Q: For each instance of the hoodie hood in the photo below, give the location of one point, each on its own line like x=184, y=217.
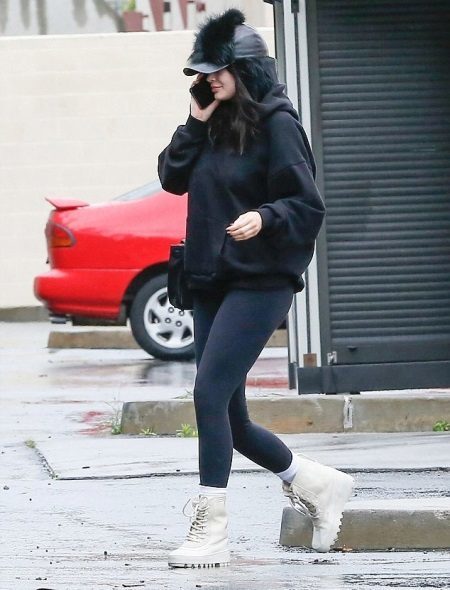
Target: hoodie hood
x=276, y=100
x=273, y=96
x=260, y=77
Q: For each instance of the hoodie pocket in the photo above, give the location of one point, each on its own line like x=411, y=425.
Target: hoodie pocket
x=203, y=245
x=258, y=255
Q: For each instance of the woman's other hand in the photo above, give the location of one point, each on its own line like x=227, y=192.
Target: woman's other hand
x=196, y=111
x=246, y=226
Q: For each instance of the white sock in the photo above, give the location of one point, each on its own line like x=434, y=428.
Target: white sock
x=211, y=491
x=289, y=474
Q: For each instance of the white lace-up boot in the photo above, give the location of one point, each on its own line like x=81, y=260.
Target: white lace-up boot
x=206, y=544
x=320, y=492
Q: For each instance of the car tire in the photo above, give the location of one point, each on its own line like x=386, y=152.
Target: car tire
x=162, y=330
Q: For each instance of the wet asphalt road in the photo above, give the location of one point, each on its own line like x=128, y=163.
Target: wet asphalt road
x=99, y=534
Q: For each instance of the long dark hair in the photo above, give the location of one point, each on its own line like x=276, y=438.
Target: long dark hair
x=235, y=122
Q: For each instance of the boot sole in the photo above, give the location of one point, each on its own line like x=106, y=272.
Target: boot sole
x=221, y=559
x=343, y=487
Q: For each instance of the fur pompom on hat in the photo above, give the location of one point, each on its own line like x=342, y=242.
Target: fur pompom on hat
x=222, y=40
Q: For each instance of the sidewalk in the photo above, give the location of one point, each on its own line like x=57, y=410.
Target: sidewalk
x=148, y=456
x=109, y=519
x=418, y=522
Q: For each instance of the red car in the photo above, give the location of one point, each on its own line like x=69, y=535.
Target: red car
x=109, y=262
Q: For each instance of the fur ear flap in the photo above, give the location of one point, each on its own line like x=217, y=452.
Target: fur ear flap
x=214, y=41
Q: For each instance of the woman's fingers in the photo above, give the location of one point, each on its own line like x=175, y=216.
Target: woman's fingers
x=246, y=226
x=246, y=220
x=245, y=236
x=203, y=114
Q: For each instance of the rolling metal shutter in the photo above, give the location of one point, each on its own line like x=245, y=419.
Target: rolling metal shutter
x=384, y=90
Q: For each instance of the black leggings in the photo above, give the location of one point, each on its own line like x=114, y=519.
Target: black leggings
x=231, y=328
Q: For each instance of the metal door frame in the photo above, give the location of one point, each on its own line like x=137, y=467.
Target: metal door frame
x=304, y=339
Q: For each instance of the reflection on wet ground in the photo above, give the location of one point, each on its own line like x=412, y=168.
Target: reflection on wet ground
x=125, y=370
x=97, y=367
x=394, y=581
x=163, y=373
x=129, y=366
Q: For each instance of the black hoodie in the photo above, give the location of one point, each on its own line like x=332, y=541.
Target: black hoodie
x=275, y=177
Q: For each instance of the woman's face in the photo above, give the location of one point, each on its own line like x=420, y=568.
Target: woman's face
x=222, y=84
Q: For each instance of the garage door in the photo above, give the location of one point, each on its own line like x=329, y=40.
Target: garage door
x=382, y=113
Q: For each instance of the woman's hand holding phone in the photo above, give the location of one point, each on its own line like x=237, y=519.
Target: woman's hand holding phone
x=202, y=114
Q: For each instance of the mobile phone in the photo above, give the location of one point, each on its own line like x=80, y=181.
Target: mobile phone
x=202, y=93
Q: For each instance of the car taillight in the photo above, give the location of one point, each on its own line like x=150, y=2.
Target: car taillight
x=58, y=236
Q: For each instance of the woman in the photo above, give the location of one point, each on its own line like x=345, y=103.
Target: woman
x=253, y=214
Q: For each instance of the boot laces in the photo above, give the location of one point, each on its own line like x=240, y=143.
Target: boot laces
x=198, y=517
x=301, y=504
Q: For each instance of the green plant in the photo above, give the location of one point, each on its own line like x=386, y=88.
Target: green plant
x=129, y=6
x=187, y=431
x=148, y=432
x=115, y=422
x=116, y=426
x=441, y=426
x=30, y=443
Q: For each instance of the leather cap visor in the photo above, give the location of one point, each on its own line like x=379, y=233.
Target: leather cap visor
x=202, y=68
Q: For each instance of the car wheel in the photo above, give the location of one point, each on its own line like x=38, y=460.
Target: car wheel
x=161, y=329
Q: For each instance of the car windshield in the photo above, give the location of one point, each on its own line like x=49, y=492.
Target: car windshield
x=141, y=192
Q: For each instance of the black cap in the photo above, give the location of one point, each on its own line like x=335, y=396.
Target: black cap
x=222, y=41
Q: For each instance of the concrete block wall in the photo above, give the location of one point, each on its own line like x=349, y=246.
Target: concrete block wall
x=81, y=116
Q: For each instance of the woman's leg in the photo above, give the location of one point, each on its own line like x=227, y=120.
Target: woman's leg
x=206, y=543
x=241, y=327
x=206, y=304
x=253, y=441
x=231, y=330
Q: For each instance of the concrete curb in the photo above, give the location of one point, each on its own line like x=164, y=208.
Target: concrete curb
x=118, y=339
x=283, y=415
x=378, y=527
x=304, y=414
x=92, y=339
x=24, y=314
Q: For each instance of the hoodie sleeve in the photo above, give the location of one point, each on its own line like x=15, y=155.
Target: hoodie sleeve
x=176, y=160
x=295, y=208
